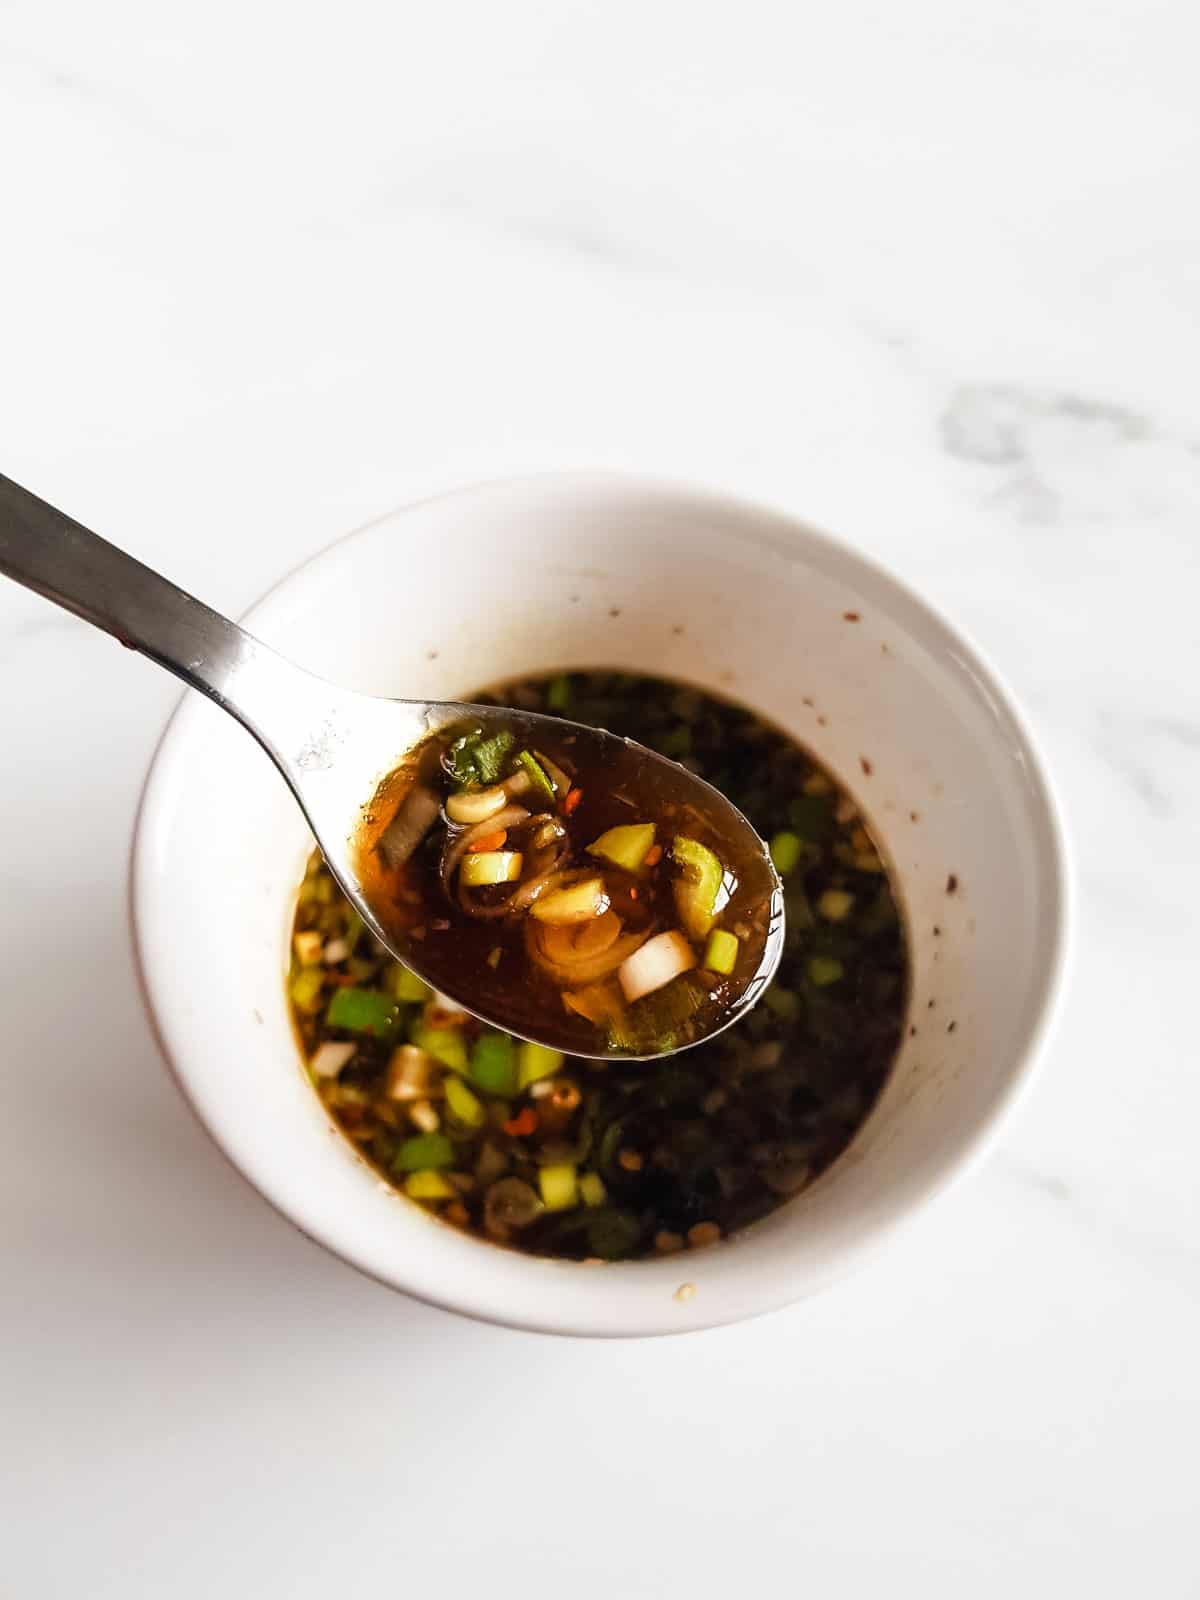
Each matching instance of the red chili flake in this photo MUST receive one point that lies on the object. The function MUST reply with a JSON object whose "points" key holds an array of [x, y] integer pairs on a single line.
{"points": [[951, 883], [523, 1124], [851, 616], [865, 765], [574, 796]]}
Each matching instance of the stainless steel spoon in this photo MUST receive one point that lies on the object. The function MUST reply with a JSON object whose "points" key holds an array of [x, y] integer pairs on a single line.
{"points": [[332, 746]]}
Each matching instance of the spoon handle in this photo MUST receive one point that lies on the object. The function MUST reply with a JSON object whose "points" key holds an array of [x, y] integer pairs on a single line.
{"points": [[277, 701], [49, 552]]}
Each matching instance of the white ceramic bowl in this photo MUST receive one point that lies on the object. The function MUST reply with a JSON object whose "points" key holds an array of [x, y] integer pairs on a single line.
{"points": [[580, 571]]}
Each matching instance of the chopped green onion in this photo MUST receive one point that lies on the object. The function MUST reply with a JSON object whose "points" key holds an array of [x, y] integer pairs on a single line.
{"points": [[785, 852], [306, 989], [626, 846], [558, 695], [428, 1185], [404, 985], [493, 1066], [835, 905], [558, 1185], [491, 754], [364, 1011], [555, 773], [698, 888], [535, 1061], [578, 902], [462, 1103], [443, 1044], [460, 759], [476, 760], [784, 1003], [426, 1150], [527, 760], [487, 867], [591, 1189], [824, 970], [722, 952]]}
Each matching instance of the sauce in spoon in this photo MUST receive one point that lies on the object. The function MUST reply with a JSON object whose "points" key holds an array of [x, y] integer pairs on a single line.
{"points": [[574, 889]]}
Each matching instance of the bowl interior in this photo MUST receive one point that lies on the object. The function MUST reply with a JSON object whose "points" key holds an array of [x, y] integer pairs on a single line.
{"points": [[582, 571]]}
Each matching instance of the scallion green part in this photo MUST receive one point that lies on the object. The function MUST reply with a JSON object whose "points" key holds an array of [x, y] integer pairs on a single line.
{"points": [[626, 845], [306, 989], [785, 852], [426, 1150], [428, 1185], [461, 1103], [722, 952], [558, 1186], [535, 1061], [698, 887], [824, 970], [493, 1064], [364, 1011], [443, 1044], [533, 767], [476, 760], [558, 693], [405, 986]]}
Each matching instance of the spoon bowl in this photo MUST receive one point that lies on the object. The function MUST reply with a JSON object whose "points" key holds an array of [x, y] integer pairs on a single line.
{"points": [[335, 748]]}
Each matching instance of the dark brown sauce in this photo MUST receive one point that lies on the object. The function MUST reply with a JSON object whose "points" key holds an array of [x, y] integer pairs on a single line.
{"points": [[485, 962], [658, 1156]]}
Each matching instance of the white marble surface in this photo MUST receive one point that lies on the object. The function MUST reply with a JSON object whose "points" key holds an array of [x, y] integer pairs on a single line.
{"points": [[928, 274]]}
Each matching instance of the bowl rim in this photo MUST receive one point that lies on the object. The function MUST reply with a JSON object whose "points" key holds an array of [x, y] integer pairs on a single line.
{"points": [[960, 1158]]}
